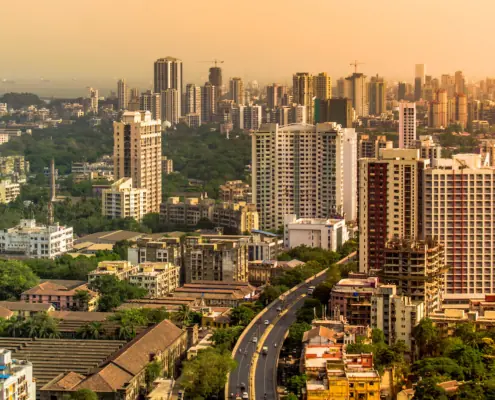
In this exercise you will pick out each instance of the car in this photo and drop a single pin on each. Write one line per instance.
(279, 308)
(265, 350)
(255, 339)
(267, 322)
(245, 395)
(243, 386)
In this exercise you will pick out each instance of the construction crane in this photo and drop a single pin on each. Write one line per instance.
(214, 61)
(355, 65)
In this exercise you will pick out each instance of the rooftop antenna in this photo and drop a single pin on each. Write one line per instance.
(52, 192)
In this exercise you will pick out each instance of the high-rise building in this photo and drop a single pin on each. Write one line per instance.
(272, 96)
(429, 148)
(193, 99)
(215, 78)
(337, 110)
(377, 95)
(93, 100)
(350, 174)
(401, 91)
(341, 87)
(122, 95)
(323, 86)
(208, 103)
(370, 147)
(137, 154)
(168, 75)
(407, 125)
(448, 84)
(419, 81)
(303, 92)
(151, 102)
(171, 106)
(460, 83)
(390, 204)
(237, 91)
(356, 89)
(121, 200)
(250, 117)
(438, 110)
(459, 213)
(311, 188)
(461, 109)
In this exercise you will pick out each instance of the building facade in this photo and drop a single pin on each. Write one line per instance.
(158, 278)
(168, 75)
(121, 200)
(17, 381)
(9, 191)
(407, 125)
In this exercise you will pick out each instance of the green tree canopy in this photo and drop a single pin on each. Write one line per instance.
(15, 278)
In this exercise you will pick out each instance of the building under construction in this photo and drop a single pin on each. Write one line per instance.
(417, 268)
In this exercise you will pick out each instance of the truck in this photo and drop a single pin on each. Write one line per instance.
(265, 350)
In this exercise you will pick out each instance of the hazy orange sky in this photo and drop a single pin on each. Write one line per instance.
(265, 40)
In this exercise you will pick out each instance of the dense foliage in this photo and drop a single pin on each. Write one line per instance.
(20, 100)
(15, 278)
(40, 325)
(114, 292)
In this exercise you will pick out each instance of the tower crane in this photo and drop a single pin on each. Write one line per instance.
(355, 65)
(214, 61)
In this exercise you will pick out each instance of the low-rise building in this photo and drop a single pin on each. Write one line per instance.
(328, 234)
(233, 191)
(264, 246)
(22, 310)
(122, 200)
(10, 165)
(16, 379)
(63, 295)
(121, 270)
(36, 241)
(263, 272)
(158, 279)
(9, 191)
(238, 217)
(449, 319)
(149, 249)
(216, 294)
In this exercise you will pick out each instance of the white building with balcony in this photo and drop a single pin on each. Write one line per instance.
(16, 378)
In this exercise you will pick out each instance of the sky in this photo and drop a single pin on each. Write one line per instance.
(99, 41)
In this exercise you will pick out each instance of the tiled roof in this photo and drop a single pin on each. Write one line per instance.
(23, 306)
(319, 331)
(5, 313)
(55, 289)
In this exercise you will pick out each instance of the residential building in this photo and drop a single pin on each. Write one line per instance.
(401, 91)
(377, 95)
(328, 234)
(9, 191)
(390, 202)
(263, 272)
(186, 213)
(171, 106)
(193, 100)
(356, 89)
(272, 98)
(36, 241)
(250, 117)
(311, 188)
(303, 92)
(438, 110)
(93, 100)
(141, 161)
(16, 381)
(167, 165)
(121, 270)
(123, 95)
(322, 86)
(237, 218)
(13, 165)
(192, 120)
(429, 149)
(151, 102)
(236, 92)
(122, 200)
(168, 75)
(407, 125)
(419, 81)
(215, 78)
(62, 295)
(216, 258)
(370, 147)
(395, 315)
(351, 299)
(23, 310)
(264, 246)
(158, 278)
(337, 110)
(216, 293)
(458, 212)
(298, 114)
(149, 249)
(164, 343)
(449, 319)
(235, 191)
(460, 108)
(208, 103)
(350, 166)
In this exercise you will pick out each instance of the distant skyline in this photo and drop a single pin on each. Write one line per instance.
(99, 42)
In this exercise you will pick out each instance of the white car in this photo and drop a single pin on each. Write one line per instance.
(245, 395)
(255, 339)
(267, 322)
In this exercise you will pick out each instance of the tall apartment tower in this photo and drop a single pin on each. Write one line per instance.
(122, 94)
(323, 86)
(419, 81)
(350, 174)
(461, 109)
(298, 169)
(193, 99)
(407, 125)
(458, 211)
(208, 103)
(93, 100)
(237, 91)
(171, 106)
(377, 95)
(272, 97)
(168, 75)
(215, 78)
(356, 89)
(390, 203)
(401, 91)
(438, 111)
(303, 92)
(137, 154)
(337, 110)
(460, 83)
(152, 102)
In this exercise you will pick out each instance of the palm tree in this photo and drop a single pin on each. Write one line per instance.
(183, 315)
(15, 327)
(92, 330)
(126, 331)
(41, 326)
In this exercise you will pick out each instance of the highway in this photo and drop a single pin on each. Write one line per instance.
(247, 352)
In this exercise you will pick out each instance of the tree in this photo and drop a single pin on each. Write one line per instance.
(183, 316)
(426, 337)
(91, 330)
(438, 367)
(241, 315)
(322, 292)
(15, 327)
(377, 336)
(206, 374)
(296, 383)
(114, 292)
(153, 371)
(82, 298)
(84, 394)
(121, 247)
(271, 293)
(428, 389)
(41, 325)
(15, 278)
(126, 331)
(226, 337)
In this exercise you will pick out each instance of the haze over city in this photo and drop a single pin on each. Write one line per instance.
(73, 46)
